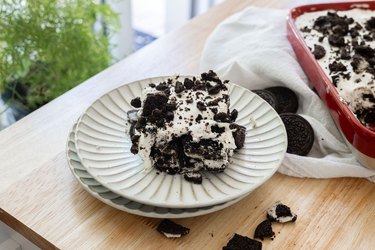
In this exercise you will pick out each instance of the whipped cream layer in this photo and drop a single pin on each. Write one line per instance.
(345, 36)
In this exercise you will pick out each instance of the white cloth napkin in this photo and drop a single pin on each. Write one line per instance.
(251, 49)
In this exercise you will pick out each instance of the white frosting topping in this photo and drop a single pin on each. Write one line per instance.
(350, 90)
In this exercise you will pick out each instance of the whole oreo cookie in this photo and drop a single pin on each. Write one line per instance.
(287, 100)
(268, 96)
(300, 134)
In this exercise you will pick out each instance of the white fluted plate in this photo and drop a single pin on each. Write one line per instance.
(114, 200)
(104, 150)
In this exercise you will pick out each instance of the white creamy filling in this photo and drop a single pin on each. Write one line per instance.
(144, 150)
(349, 90)
(170, 235)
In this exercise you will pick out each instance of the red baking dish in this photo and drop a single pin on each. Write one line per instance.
(359, 138)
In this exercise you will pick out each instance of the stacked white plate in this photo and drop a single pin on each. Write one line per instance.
(98, 152)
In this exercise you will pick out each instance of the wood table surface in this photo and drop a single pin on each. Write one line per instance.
(40, 198)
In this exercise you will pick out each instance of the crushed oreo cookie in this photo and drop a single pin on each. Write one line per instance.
(336, 40)
(335, 67)
(319, 51)
(264, 230)
(239, 242)
(281, 213)
(136, 102)
(171, 229)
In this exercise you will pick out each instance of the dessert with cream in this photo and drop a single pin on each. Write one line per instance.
(343, 42)
(184, 126)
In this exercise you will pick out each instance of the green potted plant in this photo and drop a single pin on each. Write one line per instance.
(49, 46)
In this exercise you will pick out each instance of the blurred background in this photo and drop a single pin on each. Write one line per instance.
(49, 46)
(153, 19)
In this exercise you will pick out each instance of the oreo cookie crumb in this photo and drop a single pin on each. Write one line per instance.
(345, 54)
(201, 106)
(221, 117)
(179, 87)
(336, 40)
(319, 51)
(264, 230)
(305, 29)
(365, 51)
(211, 76)
(336, 67)
(370, 24)
(136, 102)
(171, 229)
(368, 37)
(188, 83)
(214, 90)
(217, 129)
(161, 86)
(239, 242)
(194, 177)
(281, 213)
(238, 134)
(233, 115)
(198, 119)
(134, 149)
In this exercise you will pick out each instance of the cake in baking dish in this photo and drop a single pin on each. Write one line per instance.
(343, 42)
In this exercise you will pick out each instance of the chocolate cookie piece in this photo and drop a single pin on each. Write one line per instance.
(194, 177)
(300, 134)
(268, 96)
(370, 24)
(345, 54)
(233, 115)
(281, 213)
(238, 135)
(222, 117)
(365, 51)
(368, 37)
(136, 102)
(171, 229)
(239, 242)
(264, 230)
(319, 51)
(336, 67)
(336, 40)
(211, 76)
(152, 102)
(287, 100)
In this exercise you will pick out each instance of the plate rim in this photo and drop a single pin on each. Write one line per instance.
(168, 215)
(185, 204)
